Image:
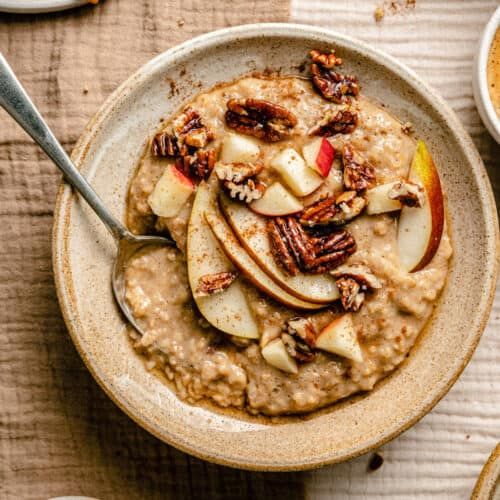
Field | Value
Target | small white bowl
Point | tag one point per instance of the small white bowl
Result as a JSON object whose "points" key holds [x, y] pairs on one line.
{"points": [[480, 81]]}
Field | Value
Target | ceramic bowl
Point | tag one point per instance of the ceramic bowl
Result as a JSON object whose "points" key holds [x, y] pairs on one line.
{"points": [[479, 80], [38, 6], [488, 483], [83, 253]]}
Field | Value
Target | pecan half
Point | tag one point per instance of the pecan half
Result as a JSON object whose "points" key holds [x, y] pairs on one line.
{"points": [[335, 210], [262, 119], [358, 173], [332, 85], [408, 193], [353, 281], [248, 190], [296, 250], [214, 283], [342, 121], [198, 165], [165, 144], [239, 180], [237, 172]]}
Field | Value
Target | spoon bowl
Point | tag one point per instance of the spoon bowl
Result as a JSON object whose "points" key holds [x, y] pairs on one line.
{"points": [[129, 246]]}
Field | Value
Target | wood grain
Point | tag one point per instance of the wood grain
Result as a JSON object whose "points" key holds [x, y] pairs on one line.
{"points": [[441, 457], [59, 433]]}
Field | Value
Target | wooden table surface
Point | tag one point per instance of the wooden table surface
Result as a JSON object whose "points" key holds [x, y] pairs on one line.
{"points": [[59, 433]]}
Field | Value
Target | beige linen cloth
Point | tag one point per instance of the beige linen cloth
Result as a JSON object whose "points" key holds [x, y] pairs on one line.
{"points": [[59, 433]]}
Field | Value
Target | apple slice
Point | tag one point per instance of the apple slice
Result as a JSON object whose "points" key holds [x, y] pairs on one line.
{"points": [[170, 193], [319, 155], [420, 229], [275, 201], [228, 311], [339, 337], [378, 201], [240, 258], [276, 355], [239, 149], [301, 179], [250, 229]]}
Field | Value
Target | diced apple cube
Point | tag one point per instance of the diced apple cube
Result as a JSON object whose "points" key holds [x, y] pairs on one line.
{"points": [[239, 149], [170, 193], [378, 201], [301, 179], [319, 155], [276, 355], [339, 337]]}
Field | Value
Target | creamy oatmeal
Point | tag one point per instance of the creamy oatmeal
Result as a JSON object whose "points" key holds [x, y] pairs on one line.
{"points": [[311, 243]]}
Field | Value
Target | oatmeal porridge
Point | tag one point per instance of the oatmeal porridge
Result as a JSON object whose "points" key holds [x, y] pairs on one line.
{"points": [[311, 242]]}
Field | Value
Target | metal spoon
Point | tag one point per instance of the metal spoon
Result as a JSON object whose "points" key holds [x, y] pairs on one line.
{"points": [[15, 100]]}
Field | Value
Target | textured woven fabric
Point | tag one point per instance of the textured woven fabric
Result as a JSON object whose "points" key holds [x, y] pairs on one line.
{"points": [[441, 456], [59, 433]]}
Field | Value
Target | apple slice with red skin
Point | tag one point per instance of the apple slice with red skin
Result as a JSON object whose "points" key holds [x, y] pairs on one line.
{"points": [[170, 193], [251, 231], [319, 155], [276, 201], [420, 229], [248, 267]]}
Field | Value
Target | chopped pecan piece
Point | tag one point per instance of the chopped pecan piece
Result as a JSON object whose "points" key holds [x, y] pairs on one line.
{"points": [[297, 348], [299, 337], [262, 119], [335, 210], [303, 328], [184, 140], [214, 283], [332, 85], [350, 295], [248, 190], [328, 60], [353, 281], [342, 121], [361, 273], [296, 250], [165, 144], [358, 173], [199, 165], [408, 193], [237, 172], [189, 129]]}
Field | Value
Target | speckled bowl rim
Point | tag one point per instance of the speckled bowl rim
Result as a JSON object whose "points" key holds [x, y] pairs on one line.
{"points": [[488, 478], [294, 31]]}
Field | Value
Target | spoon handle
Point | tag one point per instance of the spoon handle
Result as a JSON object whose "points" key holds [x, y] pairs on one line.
{"points": [[15, 100]]}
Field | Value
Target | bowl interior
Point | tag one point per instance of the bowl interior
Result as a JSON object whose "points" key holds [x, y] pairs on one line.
{"points": [[83, 252]]}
